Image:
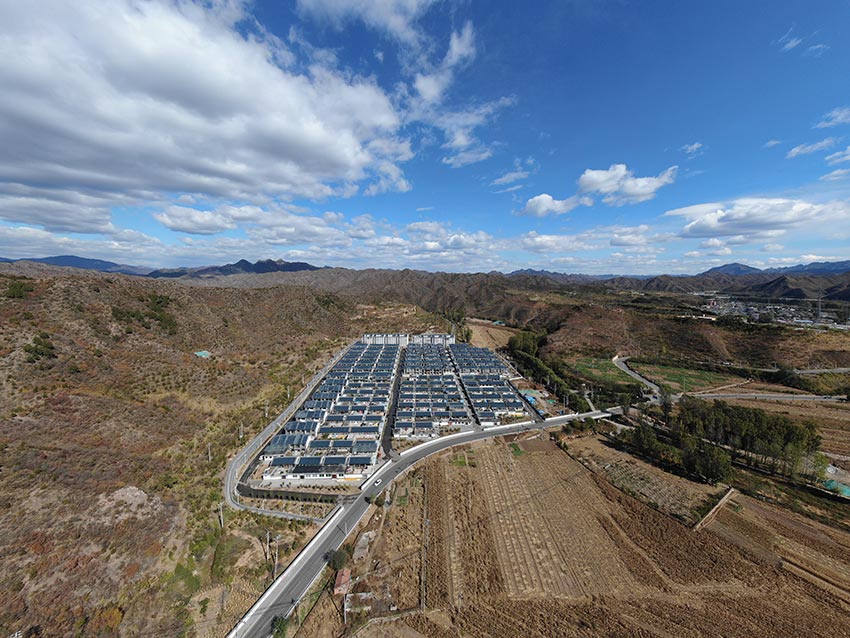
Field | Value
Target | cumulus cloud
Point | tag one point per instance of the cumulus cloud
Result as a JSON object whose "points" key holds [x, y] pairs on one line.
{"points": [[119, 101], [274, 225], [771, 143], [619, 185], [806, 149], [836, 116], [544, 204], [631, 236], [757, 217]]}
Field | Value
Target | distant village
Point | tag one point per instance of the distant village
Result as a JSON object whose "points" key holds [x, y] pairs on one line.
{"points": [[805, 313]]}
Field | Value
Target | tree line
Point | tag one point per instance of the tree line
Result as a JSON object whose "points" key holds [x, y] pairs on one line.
{"points": [[694, 456], [751, 433]]}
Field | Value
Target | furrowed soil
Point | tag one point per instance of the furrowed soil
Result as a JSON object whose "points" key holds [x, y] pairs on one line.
{"points": [[526, 541]]}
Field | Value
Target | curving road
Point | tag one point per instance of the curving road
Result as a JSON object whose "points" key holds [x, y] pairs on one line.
{"points": [[238, 462], [281, 596], [621, 363]]}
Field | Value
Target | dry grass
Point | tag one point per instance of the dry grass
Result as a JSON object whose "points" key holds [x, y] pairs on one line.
{"points": [[125, 408]]}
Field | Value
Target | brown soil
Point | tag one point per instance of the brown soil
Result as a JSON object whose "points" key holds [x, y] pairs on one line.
{"points": [[486, 334], [566, 554], [673, 495]]}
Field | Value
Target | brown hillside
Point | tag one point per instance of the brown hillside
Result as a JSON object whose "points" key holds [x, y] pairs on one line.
{"points": [[109, 501]]}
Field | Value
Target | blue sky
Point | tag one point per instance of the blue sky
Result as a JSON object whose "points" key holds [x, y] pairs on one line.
{"points": [[587, 136]]}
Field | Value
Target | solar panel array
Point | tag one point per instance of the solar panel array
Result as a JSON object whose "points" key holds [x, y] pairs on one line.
{"points": [[443, 386], [341, 423]]}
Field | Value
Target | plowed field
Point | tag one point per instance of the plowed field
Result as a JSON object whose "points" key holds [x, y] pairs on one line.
{"points": [[534, 544]]}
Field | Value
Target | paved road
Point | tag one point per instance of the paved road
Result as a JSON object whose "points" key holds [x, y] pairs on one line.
{"points": [[279, 599], [238, 462], [770, 397], [621, 362]]}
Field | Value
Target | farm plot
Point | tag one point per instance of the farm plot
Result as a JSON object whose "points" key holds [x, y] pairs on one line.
{"points": [[395, 567], [601, 369], [538, 500], [535, 544], [814, 551], [684, 379], [674, 495]]}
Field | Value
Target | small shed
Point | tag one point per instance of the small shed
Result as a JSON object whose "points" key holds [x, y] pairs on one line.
{"points": [[343, 581]]}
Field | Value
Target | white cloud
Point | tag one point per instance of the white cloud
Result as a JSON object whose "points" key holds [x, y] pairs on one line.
{"points": [[194, 221], [771, 143], [206, 103], [422, 209], [806, 149], [544, 204], [772, 248], [836, 116], [510, 189], [461, 46], [547, 244], [791, 44], [468, 156], [619, 185], [836, 175], [840, 156], [816, 50], [789, 41], [431, 86], [692, 150], [510, 177], [757, 217], [397, 18], [274, 225], [389, 178]]}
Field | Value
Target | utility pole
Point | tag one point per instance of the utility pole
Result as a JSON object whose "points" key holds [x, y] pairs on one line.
{"points": [[221, 514], [268, 544], [241, 429], [276, 547], [266, 411], [209, 452]]}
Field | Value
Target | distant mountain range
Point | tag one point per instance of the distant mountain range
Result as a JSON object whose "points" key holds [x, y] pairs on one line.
{"points": [[829, 280], [72, 261], [241, 267], [815, 268]]}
